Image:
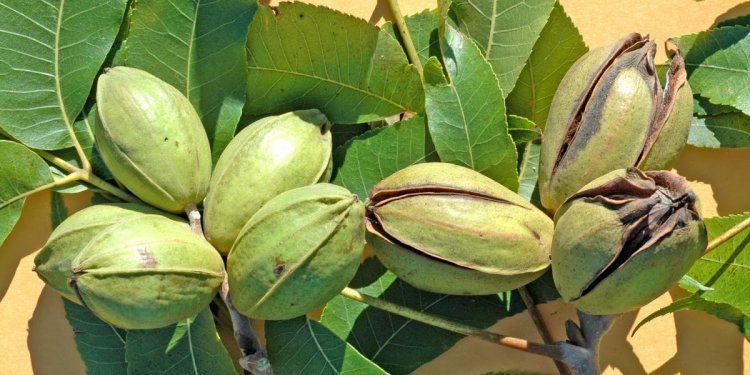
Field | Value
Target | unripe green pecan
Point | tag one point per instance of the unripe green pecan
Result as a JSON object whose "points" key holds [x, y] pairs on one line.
{"points": [[152, 139], [447, 229], [268, 157], [624, 239], [53, 262], [299, 251], [610, 112], [146, 272]]}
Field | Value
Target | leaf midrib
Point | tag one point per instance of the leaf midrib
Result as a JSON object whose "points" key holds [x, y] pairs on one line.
{"points": [[190, 57], [733, 264], [328, 80], [396, 332], [56, 75], [317, 344], [190, 345]]}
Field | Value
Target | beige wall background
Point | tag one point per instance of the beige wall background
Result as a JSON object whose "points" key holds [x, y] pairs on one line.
{"points": [[35, 338]]}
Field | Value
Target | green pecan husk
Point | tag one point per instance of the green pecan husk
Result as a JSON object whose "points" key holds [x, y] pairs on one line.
{"points": [[268, 157], [53, 263], [146, 272], [448, 229], [297, 252], [610, 112], [152, 139], [624, 239]]}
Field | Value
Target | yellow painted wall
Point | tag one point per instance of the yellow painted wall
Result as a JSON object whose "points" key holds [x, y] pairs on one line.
{"points": [[36, 339]]}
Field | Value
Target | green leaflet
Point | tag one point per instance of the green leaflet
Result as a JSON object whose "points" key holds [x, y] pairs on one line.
{"points": [[695, 303], [717, 65], [505, 31], [528, 173], [727, 268], [558, 47], [466, 116], [102, 346], [314, 57], [522, 130], [304, 346], [188, 347], [366, 159], [726, 130], [52, 50]]}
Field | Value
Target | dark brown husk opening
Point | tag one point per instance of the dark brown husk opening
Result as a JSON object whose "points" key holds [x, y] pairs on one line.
{"points": [[650, 207]]}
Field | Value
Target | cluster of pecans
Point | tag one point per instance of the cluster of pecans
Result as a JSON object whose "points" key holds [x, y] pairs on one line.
{"points": [[619, 238]]}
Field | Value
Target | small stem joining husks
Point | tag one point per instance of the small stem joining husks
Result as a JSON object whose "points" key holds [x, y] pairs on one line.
{"points": [[194, 219]]}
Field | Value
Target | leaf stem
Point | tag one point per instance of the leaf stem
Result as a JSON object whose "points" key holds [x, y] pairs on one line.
{"points": [[495, 338], [194, 218], [541, 327], [411, 51], [61, 182], [579, 353], [724, 237], [87, 177]]}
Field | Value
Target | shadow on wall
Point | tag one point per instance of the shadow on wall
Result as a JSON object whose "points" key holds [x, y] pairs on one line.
{"points": [[50, 336], [711, 166], [620, 353], [29, 234], [700, 336]]}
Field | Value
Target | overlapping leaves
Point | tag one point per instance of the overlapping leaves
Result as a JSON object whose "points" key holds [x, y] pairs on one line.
{"points": [[400, 345], [721, 278], [51, 53], [364, 160], [719, 74], [314, 57], [304, 346], [557, 48], [466, 115], [505, 31]]}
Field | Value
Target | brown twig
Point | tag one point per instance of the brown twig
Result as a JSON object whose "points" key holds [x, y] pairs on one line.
{"points": [[254, 358], [579, 353], [582, 351], [541, 327]]}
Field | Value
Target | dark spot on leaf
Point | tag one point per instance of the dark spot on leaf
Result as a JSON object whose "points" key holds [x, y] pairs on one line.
{"points": [[301, 16], [166, 139], [177, 143]]}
